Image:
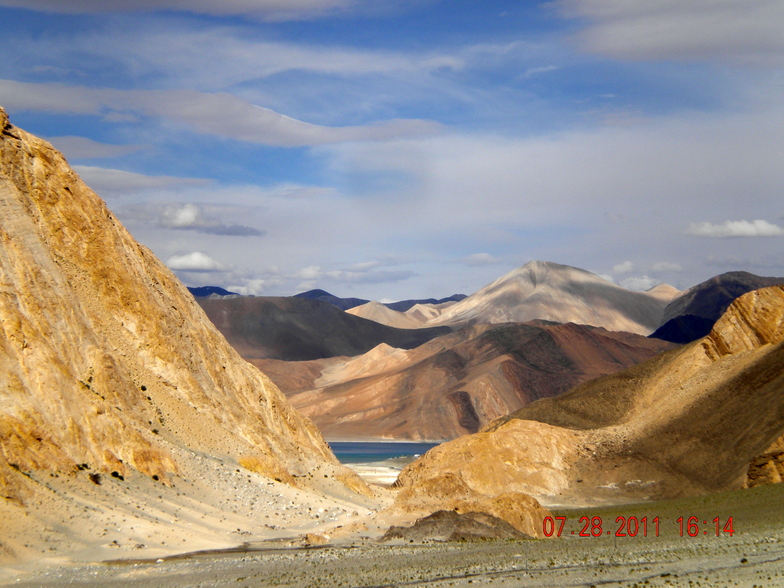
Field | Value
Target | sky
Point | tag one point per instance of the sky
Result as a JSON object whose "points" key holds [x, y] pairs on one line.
{"points": [[416, 148]]}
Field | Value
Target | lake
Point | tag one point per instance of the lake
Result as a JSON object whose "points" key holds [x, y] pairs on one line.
{"points": [[369, 452]]}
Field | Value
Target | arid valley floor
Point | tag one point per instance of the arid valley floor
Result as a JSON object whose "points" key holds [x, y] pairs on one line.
{"points": [[752, 556]]}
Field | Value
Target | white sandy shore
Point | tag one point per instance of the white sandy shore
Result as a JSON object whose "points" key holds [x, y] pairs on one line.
{"points": [[376, 473]]}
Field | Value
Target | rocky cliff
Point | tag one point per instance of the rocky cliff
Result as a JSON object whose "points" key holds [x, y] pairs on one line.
{"points": [[107, 364], [688, 421]]}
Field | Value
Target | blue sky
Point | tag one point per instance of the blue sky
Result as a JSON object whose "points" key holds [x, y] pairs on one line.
{"points": [[419, 149]]}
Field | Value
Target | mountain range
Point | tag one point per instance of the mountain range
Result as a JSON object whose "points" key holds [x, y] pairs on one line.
{"points": [[296, 328], [559, 293], [686, 422], [692, 314], [347, 303], [456, 383]]}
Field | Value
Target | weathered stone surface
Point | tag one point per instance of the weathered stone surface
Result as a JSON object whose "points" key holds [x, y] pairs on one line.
{"points": [[449, 525], [768, 467], [105, 358]]}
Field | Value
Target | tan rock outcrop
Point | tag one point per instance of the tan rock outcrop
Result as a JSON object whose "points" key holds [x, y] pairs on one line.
{"points": [[106, 360], [768, 467], [687, 422]]}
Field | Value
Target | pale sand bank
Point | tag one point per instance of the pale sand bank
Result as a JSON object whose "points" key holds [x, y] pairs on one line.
{"points": [[376, 473]]}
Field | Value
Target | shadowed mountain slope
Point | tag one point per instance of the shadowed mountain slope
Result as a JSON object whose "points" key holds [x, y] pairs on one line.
{"points": [[686, 422], [456, 383], [323, 296], [559, 293], [406, 305], [296, 329], [691, 315], [205, 291]]}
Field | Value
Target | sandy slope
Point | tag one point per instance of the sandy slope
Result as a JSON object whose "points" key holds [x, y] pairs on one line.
{"points": [[375, 311]]}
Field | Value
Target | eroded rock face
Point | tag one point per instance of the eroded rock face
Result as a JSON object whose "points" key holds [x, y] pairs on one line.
{"points": [[105, 358], [768, 467], [687, 422]]}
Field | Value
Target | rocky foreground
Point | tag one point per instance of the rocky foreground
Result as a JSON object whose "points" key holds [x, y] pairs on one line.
{"points": [[752, 557]]}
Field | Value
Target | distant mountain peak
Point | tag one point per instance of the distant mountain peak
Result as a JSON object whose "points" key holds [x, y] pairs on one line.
{"points": [[557, 292]]}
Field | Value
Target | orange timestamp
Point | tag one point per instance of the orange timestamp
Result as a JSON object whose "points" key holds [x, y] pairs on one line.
{"points": [[637, 526]]}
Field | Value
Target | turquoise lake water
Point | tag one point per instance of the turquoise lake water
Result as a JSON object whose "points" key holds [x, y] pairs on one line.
{"points": [[366, 452]]}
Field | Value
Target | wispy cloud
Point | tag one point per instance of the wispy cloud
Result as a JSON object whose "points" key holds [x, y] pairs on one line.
{"points": [[84, 148], [186, 216], [274, 10], [747, 31], [665, 266], [118, 182], [480, 259], [756, 228], [217, 114]]}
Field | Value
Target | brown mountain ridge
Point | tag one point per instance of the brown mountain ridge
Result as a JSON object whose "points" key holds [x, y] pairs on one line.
{"points": [[455, 383]]}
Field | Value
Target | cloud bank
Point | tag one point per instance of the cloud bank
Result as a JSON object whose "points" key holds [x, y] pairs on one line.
{"points": [[218, 114], [118, 182], [757, 228], [747, 31]]}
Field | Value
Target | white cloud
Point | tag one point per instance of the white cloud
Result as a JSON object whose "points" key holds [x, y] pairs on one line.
{"points": [[641, 283], [218, 114], [84, 148], [312, 272], [757, 228], [745, 31], [664, 266], [195, 261], [480, 259], [114, 181], [623, 268]]}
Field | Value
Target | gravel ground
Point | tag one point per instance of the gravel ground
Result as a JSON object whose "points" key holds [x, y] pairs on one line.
{"points": [[752, 556]]}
